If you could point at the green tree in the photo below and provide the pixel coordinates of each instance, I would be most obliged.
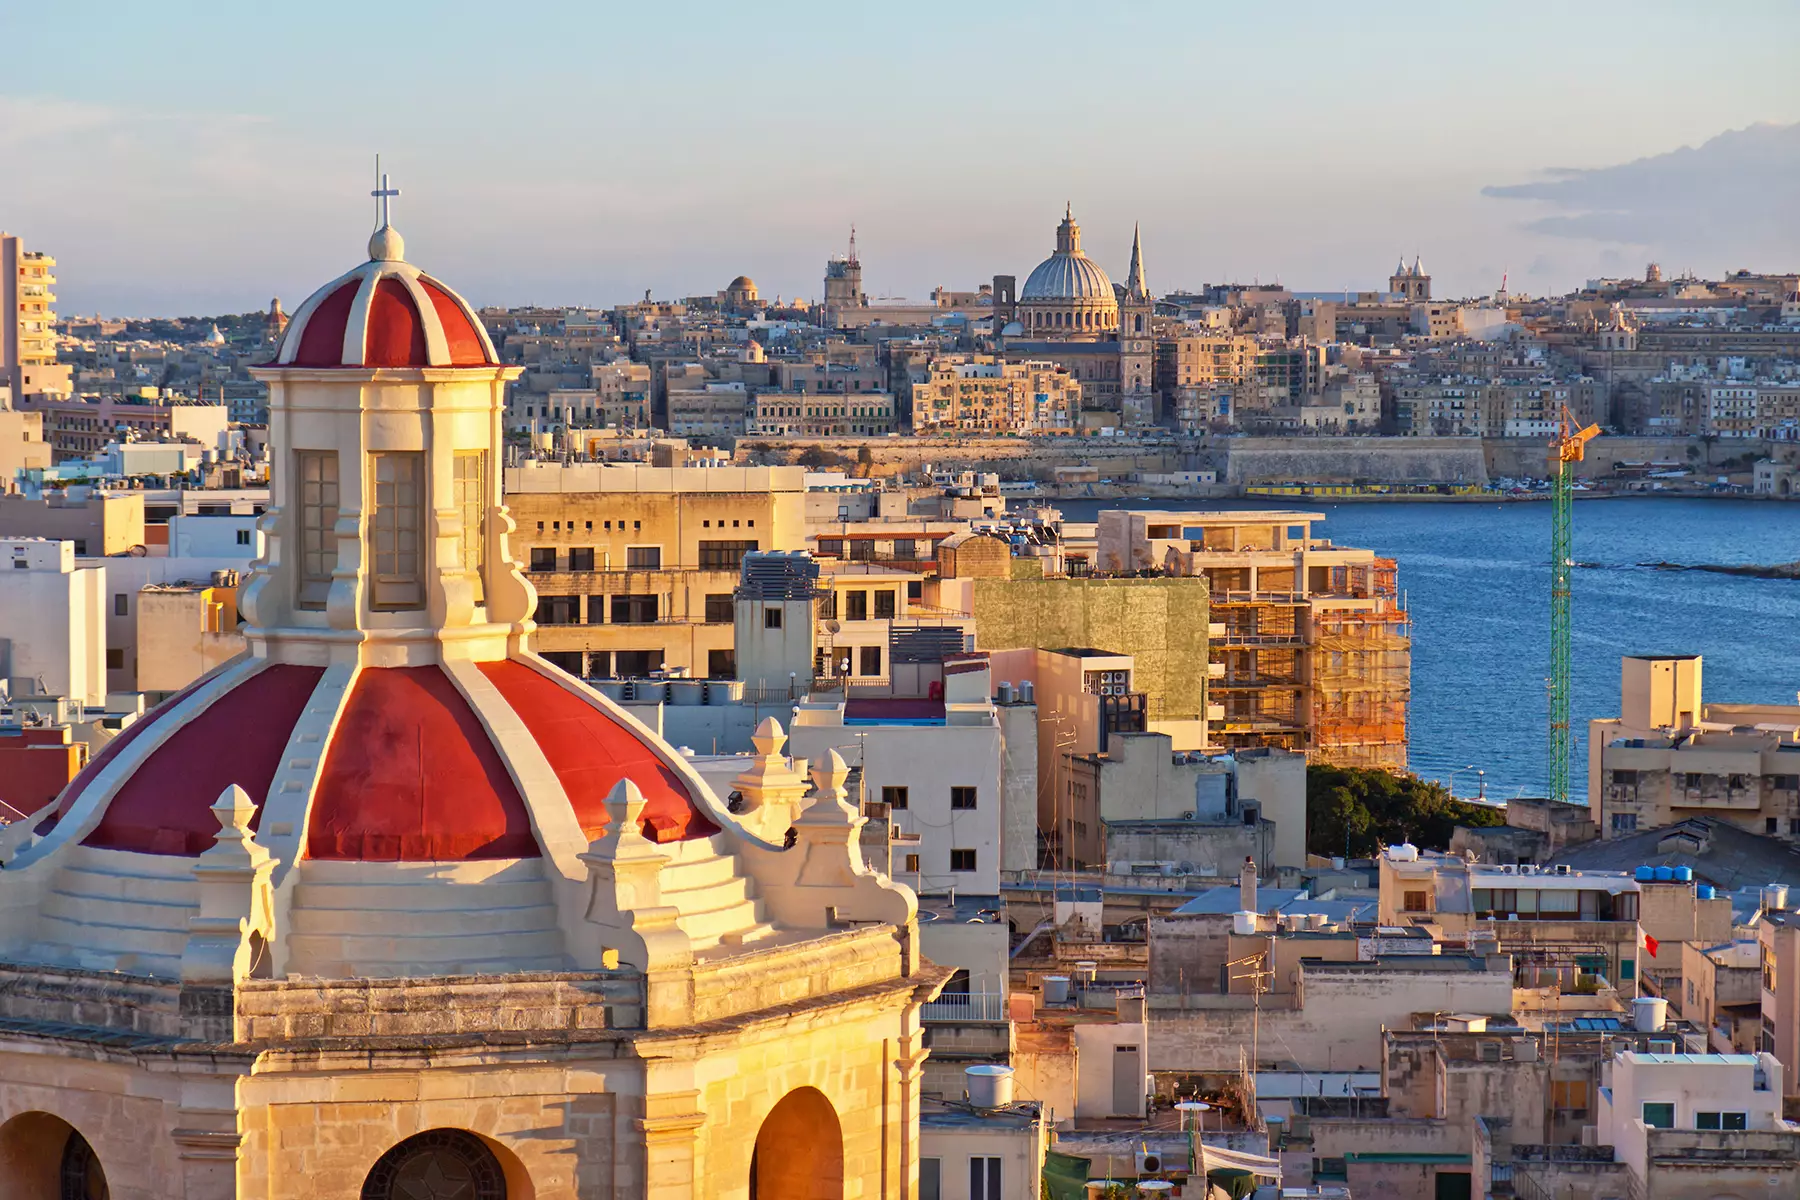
(1356, 809)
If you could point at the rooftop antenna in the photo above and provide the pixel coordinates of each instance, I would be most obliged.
(382, 193)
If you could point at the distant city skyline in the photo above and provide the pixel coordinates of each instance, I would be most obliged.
(177, 164)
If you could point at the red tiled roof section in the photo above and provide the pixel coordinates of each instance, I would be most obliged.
(412, 776)
(466, 347)
(396, 333)
(590, 752)
(322, 341)
(165, 807)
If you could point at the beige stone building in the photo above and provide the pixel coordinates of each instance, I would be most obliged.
(822, 414)
(980, 393)
(1313, 643)
(184, 630)
(714, 410)
(1670, 755)
(635, 566)
(390, 907)
(28, 322)
(100, 525)
(22, 445)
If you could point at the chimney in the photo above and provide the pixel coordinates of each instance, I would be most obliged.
(1247, 886)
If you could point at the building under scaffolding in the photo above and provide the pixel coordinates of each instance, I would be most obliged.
(1310, 645)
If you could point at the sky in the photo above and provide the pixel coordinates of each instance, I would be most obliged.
(183, 158)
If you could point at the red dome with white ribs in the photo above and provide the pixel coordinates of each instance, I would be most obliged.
(411, 772)
(385, 313)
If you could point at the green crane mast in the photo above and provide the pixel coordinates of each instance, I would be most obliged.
(1568, 445)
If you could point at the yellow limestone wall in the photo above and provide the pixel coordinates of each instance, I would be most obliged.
(1161, 623)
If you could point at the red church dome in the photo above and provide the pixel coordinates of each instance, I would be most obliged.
(385, 313)
(412, 771)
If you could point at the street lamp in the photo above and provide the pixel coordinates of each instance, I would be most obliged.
(1451, 782)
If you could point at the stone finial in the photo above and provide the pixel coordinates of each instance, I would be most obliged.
(236, 898)
(625, 806)
(629, 916)
(233, 810)
(828, 776)
(769, 737)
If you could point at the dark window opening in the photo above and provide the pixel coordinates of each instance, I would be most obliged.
(634, 610)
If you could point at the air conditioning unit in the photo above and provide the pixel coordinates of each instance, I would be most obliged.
(1148, 1163)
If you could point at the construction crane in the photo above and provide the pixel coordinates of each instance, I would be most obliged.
(1567, 445)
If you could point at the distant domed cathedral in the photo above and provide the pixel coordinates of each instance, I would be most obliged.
(1071, 313)
(391, 908)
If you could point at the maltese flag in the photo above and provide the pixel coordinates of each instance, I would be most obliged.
(1648, 942)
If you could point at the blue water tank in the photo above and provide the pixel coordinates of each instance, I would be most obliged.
(1645, 874)
(1683, 874)
(1703, 891)
(1665, 874)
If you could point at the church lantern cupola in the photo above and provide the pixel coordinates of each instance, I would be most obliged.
(386, 536)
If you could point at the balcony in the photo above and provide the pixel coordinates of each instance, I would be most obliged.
(962, 1008)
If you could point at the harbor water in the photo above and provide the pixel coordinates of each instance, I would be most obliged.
(1477, 580)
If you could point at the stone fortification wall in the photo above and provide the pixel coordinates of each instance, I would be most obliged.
(1353, 459)
(1252, 460)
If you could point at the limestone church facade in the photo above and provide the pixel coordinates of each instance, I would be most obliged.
(391, 908)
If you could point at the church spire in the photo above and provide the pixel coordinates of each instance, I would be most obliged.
(1134, 278)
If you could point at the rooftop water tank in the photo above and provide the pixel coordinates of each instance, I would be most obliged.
(1703, 891)
(1404, 852)
(1243, 923)
(1006, 693)
(989, 1086)
(1644, 874)
(1056, 989)
(1028, 692)
(1665, 874)
(1775, 897)
(1649, 1014)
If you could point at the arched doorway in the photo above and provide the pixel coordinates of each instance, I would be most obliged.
(439, 1164)
(799, 1151)
(43, 1157)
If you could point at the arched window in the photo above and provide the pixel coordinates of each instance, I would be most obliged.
(438, 1162)
(43, 1157)
(799, 1151)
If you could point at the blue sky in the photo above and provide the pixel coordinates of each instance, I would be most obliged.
(182, 158)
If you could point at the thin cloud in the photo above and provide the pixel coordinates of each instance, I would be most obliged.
(1729, 200)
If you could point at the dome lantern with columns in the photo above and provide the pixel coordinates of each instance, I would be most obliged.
(389, 847)
(1068, 295)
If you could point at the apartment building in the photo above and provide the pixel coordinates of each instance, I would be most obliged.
(823, 414)
(635, 566)
(28, 322)
(1565, 929)
(85, 426)
(713, 411)
(980, 393)
(1670, 756)
(1313, 639)
(52, 622)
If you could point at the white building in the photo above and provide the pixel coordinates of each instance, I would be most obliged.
(1658, 1110)
(981, 1150)
(935, 765)
(52, 621)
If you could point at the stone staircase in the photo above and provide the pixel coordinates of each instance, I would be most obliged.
(718, 905)
(112, 910)
(386, 920)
